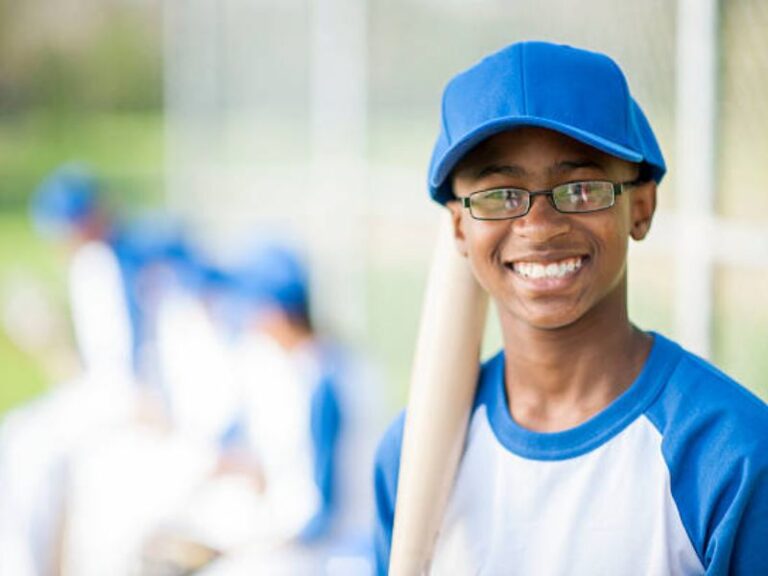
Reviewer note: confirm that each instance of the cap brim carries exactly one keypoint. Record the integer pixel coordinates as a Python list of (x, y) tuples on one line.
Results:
[(449, 160)]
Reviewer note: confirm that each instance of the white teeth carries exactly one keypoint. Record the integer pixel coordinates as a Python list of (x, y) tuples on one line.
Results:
[(552, 270)]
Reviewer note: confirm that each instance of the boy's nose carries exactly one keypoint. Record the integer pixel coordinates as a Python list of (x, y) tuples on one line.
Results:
[(543, 222)]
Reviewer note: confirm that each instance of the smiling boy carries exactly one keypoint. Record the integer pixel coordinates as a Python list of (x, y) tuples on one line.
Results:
[(593, 447)]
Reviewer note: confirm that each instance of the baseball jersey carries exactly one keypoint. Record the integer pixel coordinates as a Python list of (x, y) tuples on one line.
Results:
[(293, 422), (670, 479), (100, 309)]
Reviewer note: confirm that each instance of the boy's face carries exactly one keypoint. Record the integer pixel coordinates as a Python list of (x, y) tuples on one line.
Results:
[(507, 255)]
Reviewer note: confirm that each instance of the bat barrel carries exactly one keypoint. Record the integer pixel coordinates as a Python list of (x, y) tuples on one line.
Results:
[(443, 383)]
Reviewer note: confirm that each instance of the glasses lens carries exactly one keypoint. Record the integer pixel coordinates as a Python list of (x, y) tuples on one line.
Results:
[(498, 204), (583, 196)]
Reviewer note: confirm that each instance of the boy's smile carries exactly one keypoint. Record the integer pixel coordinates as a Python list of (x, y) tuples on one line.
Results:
[(547, 272), (548, 269)]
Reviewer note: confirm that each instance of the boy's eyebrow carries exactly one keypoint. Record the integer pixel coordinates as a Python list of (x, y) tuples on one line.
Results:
[(571, 165), (506, 169)]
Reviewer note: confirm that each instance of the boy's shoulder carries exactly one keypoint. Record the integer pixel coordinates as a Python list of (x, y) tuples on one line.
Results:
[(714, 439), (698, 398)]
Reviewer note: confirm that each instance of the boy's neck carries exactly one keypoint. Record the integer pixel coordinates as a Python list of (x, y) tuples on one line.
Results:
[(558, 379)]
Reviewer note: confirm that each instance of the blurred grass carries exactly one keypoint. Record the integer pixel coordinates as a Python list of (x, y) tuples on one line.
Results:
[(21, 376), (125, 149), (21, 248)]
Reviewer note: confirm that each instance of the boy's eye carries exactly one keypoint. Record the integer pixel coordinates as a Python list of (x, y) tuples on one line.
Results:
[(503, 199), (498, 203), (579, 193), (583, 196)]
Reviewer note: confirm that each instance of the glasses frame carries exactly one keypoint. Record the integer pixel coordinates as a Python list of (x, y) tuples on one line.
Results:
[(618, 188)]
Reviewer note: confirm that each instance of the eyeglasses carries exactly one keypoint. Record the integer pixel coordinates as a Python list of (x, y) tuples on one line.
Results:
[(569, 198)]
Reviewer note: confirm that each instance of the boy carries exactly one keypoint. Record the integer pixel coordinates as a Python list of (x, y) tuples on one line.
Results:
[(593, 447)]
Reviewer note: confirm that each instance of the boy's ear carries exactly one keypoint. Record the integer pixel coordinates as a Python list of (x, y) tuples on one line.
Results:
[(458, 225), (643, 206)]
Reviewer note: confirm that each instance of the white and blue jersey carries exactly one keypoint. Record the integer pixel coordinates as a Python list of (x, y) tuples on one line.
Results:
[(670, 479), (292, 421)]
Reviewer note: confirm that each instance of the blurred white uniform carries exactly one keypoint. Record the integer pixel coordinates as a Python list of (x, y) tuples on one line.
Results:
[(138, 480), (194, 360), (280, 388), (39, 441), (100, 311), (37, 445), (128, 484), (227, 512)]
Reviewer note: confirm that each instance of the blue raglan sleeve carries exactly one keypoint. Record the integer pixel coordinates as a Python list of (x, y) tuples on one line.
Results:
[(736, 527), (131, 262), (325, 426), (749, 525), (386, 472), (715, 443)]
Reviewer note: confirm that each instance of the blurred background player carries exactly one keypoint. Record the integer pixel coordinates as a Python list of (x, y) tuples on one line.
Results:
[(39, 440), (263, 458), (137, 478), (67, 208), (114, 274), (290, 492), (293, 417)]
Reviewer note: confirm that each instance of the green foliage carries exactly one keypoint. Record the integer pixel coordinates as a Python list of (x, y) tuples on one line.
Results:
[(110, 61)]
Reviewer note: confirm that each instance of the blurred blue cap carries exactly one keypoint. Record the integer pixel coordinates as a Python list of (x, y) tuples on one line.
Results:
[(576, 92), (158, 240), (198, 274), (64, 199), (155, 237), (273, 275)]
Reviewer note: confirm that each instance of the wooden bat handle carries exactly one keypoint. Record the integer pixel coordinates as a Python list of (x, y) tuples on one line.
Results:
[(443, 383)]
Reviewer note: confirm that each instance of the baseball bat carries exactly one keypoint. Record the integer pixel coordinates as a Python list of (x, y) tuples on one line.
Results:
[(443, 383)]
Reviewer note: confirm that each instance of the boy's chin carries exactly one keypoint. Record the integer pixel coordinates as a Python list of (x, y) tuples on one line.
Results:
[(551, 324), (547, 318)]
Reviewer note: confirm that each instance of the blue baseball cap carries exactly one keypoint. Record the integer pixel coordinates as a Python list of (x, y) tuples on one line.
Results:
[(576, 92), (64, 199), (272, 275)]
